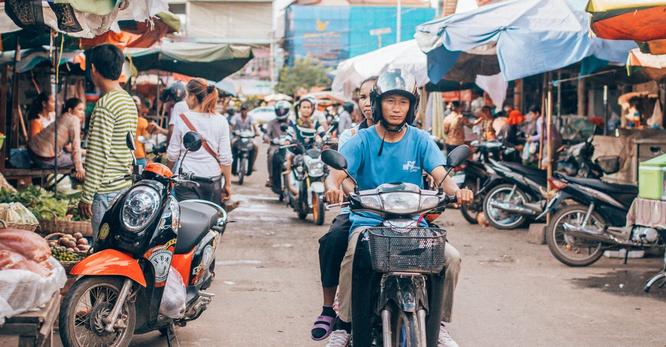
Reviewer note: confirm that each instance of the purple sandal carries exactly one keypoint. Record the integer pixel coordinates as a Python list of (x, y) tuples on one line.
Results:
[(324, 323)]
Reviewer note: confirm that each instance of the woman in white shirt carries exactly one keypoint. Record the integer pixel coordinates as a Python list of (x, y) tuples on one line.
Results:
[(207, 165)]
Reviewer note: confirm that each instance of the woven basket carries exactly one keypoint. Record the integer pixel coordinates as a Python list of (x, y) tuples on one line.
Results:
[(65, 226), (28, 227)]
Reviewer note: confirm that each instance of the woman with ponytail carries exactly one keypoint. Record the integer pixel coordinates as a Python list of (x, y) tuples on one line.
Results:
[(213, 161)]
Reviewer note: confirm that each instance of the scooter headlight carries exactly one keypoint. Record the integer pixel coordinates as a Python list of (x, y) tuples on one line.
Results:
[(401, 203), (141, 206)]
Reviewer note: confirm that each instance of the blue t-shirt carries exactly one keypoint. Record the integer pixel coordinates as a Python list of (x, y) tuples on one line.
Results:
[(401, 162)]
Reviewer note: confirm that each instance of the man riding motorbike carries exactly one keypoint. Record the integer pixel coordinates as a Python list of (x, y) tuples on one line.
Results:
[(240, 122), (332, 245), (273, 131), (391, 151)]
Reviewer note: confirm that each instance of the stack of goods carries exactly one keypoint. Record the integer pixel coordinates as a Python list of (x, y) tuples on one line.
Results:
[(29, 276), (14, 214)]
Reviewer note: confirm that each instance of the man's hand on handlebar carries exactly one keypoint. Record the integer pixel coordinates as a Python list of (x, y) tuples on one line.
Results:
[(464, 196), (335, 196)]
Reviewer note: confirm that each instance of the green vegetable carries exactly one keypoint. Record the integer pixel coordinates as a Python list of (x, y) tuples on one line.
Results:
[(43, 204)]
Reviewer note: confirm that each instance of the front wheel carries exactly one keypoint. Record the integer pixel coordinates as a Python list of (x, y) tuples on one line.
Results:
[(567, 249), (84, 309), (242, 170), (499, 218), (318, 208)]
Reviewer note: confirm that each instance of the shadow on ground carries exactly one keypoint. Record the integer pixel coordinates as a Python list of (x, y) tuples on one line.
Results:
[(623, 283)]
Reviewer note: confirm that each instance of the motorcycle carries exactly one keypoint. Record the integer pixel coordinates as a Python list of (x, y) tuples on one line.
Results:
[(476, 173), (144, 235), (514, 194), (278, 161), (579, 233), (577, 161), (305, 188), (245, 146), (407, 262)]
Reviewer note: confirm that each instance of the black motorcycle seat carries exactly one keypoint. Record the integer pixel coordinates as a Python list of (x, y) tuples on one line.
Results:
[(196, 219), (536, 174), (604, 186)]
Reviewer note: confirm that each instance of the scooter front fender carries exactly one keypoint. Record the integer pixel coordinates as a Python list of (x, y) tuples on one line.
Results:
[(110, 262)]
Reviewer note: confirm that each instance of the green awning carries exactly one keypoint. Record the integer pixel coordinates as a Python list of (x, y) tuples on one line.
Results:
[(210, 61)]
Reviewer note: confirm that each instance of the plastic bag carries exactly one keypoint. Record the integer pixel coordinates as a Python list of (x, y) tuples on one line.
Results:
[(22, 290), (174, 299), (15, 212), (26, 243)]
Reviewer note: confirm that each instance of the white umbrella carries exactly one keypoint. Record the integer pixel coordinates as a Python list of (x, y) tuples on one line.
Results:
[(403, 55)]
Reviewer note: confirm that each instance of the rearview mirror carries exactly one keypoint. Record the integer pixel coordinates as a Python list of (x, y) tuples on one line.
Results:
[(334, 159), (192, 141), (458, 155), (129, 140), (284, 127)]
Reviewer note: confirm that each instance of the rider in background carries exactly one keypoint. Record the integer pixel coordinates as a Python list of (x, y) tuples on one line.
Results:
[(240, 122), (273, 131)]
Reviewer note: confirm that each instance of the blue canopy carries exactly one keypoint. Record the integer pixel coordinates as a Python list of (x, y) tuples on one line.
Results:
[(527, 37)]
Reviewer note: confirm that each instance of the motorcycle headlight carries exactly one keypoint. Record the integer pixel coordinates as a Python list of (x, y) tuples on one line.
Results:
[(141, 206), (315, 166), (400, 202)]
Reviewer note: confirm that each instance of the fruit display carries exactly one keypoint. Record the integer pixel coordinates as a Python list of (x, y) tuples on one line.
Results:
[(68, 247)]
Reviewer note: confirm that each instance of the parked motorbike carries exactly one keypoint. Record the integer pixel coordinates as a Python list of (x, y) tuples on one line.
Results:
[(577, 161), (513, 195), (403, 288), (305, 188), (579, 233), (245, 146), (119, 287), (476, 173)]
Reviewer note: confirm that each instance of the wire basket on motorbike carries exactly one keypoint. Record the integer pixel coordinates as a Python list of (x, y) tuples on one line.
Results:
[(417, 250)]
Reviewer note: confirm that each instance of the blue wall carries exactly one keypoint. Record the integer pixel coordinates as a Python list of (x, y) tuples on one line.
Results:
[(335, 33), (321, 32), (364, 19)]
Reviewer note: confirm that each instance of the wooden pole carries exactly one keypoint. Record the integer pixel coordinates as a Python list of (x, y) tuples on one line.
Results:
[(549, 141), (15, 99), (3, 114)]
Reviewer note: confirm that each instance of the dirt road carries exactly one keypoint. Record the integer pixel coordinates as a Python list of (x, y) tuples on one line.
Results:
[(511, 293)]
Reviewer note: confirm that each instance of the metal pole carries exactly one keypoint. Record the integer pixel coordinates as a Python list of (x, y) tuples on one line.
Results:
[(398, 22), (605, 110), (54, 92), (549, 140)]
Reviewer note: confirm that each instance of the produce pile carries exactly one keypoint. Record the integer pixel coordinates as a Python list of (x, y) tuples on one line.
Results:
[(24, 250), (44, 204), (68, 247)]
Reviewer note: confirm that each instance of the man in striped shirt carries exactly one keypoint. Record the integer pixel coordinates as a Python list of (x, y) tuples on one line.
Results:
[(108, 158)]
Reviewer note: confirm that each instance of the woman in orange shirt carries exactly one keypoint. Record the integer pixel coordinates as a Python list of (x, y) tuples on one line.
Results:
[(41, 112)]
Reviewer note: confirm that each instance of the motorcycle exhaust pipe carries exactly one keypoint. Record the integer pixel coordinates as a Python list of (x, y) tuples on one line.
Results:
[(585, 233), (386, 327), (513, 208)]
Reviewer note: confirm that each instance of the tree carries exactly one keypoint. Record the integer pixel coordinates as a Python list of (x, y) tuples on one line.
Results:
[(306, 73)]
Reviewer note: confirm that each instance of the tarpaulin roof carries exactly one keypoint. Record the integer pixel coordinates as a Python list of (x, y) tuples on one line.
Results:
[(78, 18), (210, 61), (531, 37)]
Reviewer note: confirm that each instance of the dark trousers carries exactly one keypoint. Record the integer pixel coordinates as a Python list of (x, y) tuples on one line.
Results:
[(207, 190), (235, 152), (332, 248)]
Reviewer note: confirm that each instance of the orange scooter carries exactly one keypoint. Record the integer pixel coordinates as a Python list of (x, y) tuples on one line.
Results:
[(145, 232)]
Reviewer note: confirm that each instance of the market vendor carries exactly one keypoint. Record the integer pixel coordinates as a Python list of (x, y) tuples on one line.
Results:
[(633, 115), (41, 112), (42, 146)]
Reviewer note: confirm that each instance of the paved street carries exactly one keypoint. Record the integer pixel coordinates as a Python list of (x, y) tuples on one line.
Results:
[(511, 293)]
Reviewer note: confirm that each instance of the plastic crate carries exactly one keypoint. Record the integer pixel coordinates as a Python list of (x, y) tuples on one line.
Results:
[(652, 178)]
